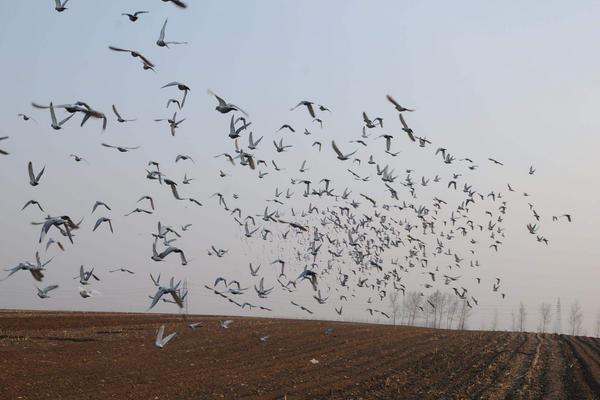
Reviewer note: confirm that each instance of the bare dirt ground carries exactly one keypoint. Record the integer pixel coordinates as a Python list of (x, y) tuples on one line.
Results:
[(58, 355)]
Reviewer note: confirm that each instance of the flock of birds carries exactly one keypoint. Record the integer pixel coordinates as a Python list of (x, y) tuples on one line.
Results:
[(335, 234)]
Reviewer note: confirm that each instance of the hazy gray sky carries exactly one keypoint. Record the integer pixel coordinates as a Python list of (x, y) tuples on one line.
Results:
[(516, 81)]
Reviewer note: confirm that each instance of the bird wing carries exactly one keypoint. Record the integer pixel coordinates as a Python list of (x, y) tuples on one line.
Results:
[(155, 300), (116, 112), (169, 85), (311, 110), (30, 170), (37, 178), (161, 37), (242, 111), (49, 288), (98, 222), (219, 99), (403, 122), (159, 336), (66, 119), (52, 114), (168, 338), (336, 149), (113, 48), (391, 100)]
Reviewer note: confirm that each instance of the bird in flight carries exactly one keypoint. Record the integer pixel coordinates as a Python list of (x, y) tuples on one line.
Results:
[(161, 38), (34, 179), (119, 118), (223, 107), (135, 16), (60, 7), (146, 63), (397, 105), (161, 340), (43, 293), (341, 156), (122, 149)]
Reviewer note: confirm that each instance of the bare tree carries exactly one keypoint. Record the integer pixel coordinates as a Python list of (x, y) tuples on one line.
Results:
[(465, 313), (513, 325), (395, 304), (522, 317), (413, 302), (494, 324), (598, 325), (575, 318), (436, 303), (545, 316), (558, 318), (451, 310)]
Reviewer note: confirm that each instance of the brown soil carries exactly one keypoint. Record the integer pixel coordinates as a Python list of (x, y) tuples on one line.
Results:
[(59, 355)]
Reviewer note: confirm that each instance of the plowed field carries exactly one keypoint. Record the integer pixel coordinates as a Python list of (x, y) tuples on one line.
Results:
[(56, 355)]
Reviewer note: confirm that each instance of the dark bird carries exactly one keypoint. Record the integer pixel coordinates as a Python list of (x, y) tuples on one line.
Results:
[(396, 105), (34, 180), (134, 17), (177, 3), (308, 105), (147, 64)]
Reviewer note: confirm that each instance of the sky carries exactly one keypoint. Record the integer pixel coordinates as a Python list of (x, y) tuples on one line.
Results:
[(513, 81)]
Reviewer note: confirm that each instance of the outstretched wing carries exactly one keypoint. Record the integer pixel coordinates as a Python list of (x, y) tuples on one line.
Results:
[(336, 149)]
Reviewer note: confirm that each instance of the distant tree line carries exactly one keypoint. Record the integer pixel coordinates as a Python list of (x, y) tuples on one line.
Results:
[(447, 311), (436, 310)]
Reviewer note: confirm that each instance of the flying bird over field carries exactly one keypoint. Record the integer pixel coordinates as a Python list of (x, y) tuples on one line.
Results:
[(43, 293), (123, 270), (100, 221), (398, 107), (161, 340), (55, 124), (161, 38), (341, 156), (121, 149), (223, 107), (308, 105), (135, 16), (26, 117), (146, 64), (32, 202), (34, 179), (119, 118), (60, 7)]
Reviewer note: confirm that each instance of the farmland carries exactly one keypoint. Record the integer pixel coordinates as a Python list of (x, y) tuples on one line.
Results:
[(58, 355)]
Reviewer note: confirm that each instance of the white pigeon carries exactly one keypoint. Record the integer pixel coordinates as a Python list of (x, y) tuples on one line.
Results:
[(161, 341), (225, 324)]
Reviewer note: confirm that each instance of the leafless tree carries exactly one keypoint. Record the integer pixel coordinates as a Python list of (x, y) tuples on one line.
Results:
[(494, 324), (465, 313), (412, 304), (558, 317), (545, 316), (436, 305), (513, 325), (395, 300), (575, 318), (522, 317), (451, 310), (598, 325), (442, 307)]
